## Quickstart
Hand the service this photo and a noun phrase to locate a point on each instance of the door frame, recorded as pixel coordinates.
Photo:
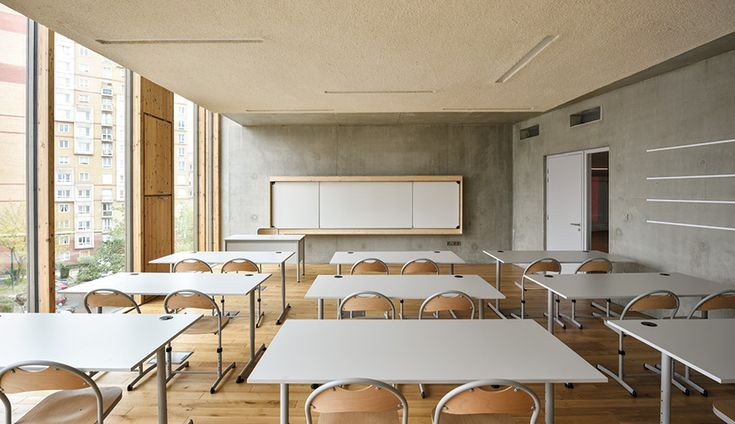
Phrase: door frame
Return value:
(586, 183)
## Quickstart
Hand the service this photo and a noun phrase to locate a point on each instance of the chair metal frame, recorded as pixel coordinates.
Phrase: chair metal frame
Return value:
(405, 270)
(334, 385)
(725, 411)
(458, 391)
(532, 269)
(619, 376)
(219, 372)
(581, 269)
(84, 380)
(245, 261)
(190, 262)
(142, 370)
(370, 261)
(369, 294)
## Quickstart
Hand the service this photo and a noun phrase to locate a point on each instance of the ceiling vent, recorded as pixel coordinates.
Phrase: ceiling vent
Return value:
(529, 132)
(585, 116)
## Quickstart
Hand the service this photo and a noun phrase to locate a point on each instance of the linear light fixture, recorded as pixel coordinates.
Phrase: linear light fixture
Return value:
(379, 91)
(691, 177)
(288, 110)
(183, 41)
(488, 109)
(527, 58)
(688, 146)
(698, 201)
(684, 224)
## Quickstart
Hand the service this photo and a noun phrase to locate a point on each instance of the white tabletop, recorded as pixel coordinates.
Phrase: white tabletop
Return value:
(158, 283)
(413, 351)
(265, 237)
(707, 345)
(400, 286)
(222, 257)
(89, 342)
(397, 257)
(563, 256)
(606, 286)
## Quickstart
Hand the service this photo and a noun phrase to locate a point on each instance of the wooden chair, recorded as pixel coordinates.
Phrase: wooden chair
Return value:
(365, 302)
(267, 231)
(341, 402)
(722, 301)
(417, 267)
(725, 410)
(662, 300)
(100, 298)
(590, 266)
(192, 299)
(192, 265)
(246, 266)
(487, 401)
(369, 266)
(543, 265)
(78, 399)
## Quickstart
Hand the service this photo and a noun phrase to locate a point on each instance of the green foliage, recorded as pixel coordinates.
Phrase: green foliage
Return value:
(13, 239)
(109, 257)
(184, 228)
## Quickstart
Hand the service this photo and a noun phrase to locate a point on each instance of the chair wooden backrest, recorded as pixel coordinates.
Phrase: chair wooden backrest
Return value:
(185, 299)
(654, 300)
(724, 300)
(369, 266)
(446, 301)
(481, 397)
(595, 266)
(543, 265)
(240, 265)
(108, 297)
(267, 231)
(367, 301)
(342, 396)
(420, 266)
(192, 265)
(29, 376)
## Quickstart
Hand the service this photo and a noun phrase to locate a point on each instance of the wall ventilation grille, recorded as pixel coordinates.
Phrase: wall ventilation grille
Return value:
(585, 116)
(529, 132)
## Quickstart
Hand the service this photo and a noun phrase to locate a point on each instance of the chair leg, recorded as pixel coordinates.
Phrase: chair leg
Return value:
(656, 369)
(573, 317)
(261, 314)
(686, 379)
(220, 372)
(423, 391)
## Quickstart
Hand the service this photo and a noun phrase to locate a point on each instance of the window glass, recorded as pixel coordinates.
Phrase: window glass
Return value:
(184, 175)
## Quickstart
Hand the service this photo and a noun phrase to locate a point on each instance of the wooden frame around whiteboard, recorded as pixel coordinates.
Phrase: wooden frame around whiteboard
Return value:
(369, 231)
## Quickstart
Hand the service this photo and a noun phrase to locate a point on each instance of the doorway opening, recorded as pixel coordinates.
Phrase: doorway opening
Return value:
(599, 200)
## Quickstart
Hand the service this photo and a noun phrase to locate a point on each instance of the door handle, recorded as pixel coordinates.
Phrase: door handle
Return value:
(575, 224)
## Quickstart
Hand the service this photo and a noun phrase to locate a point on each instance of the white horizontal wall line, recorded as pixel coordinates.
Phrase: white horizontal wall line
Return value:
(682, 224)
(707, 202)
(687, 146)
(691, 177)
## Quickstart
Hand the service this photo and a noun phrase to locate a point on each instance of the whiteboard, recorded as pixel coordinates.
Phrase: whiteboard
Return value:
(347, 204)
(435, 204)
(295, 204)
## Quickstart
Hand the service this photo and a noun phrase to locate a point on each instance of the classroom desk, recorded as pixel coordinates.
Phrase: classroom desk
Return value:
(401, 287)
(271, 242)
(704, 345)
(441, 257)
(419, 351)
(160, 284)
(109, 342)
(518, 257)
(606, 286)
(214, 258)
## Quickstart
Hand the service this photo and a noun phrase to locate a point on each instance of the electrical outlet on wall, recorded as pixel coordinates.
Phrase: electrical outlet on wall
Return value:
(454, 243)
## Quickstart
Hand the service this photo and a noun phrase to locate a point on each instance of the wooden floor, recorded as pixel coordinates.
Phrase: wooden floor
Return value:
(245, 403)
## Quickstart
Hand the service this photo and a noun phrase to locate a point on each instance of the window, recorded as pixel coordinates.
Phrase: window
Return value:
(84, 209)
(64, 144)
(106, 118)
(63, 207)
(84, 224)
(106, 194)
(63, 160)
(84, 193)
(84, 160)
(107, 72)
(83, 51)
(107, 134)
(83, 146)
(106, 209)
(83, 83)
(83, 98)
(107, 162)
(64, 224)
(84, 176)
(84, 242)
(63, 194)
(63, 240)
(84, 115)
(83, 67)
(63, 128)
(183, 178)
(83, 130)
(63, 176)
(106, 224)
(106, 103)
(107, 89)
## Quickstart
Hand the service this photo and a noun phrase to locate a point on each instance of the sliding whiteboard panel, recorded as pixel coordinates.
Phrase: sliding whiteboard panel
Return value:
(436, 204)
(295, 204)
(365, 204)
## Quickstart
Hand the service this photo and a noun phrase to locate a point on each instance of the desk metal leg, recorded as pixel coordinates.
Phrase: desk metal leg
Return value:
(320, 309)
(481, 314)
(498, 266)
(298, 262)
(451, 269)
(284, 403)
(550, 311)
(286, 306)
(303, 257)
(254, 356)
(549, 402)
(339, 269)
(665, 415)
(161, 386)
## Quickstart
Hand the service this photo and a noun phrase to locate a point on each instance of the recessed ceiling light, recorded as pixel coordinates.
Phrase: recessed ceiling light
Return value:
(528, 57)
(288, 110)
(378, 91)
(183, 41)
(488, 109)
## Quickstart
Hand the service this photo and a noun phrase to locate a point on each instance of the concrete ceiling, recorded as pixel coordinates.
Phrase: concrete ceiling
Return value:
(444, 57)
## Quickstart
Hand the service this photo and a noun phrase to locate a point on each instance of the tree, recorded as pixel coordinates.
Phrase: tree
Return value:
(13, 239)
(109, 257)
(184, 228)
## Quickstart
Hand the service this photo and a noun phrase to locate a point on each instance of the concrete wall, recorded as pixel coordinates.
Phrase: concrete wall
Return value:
(689, 105)
(480, 153)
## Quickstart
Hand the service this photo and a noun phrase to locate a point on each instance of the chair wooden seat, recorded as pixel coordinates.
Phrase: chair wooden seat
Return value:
(72, 407)
(389, 417)
(725, 410)
(477, 419)
(206, 325)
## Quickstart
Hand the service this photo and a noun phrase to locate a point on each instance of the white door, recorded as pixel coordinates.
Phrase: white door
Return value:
(565, 184)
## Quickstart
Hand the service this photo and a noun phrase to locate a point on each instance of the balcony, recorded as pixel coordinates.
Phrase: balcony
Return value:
(107, 91)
